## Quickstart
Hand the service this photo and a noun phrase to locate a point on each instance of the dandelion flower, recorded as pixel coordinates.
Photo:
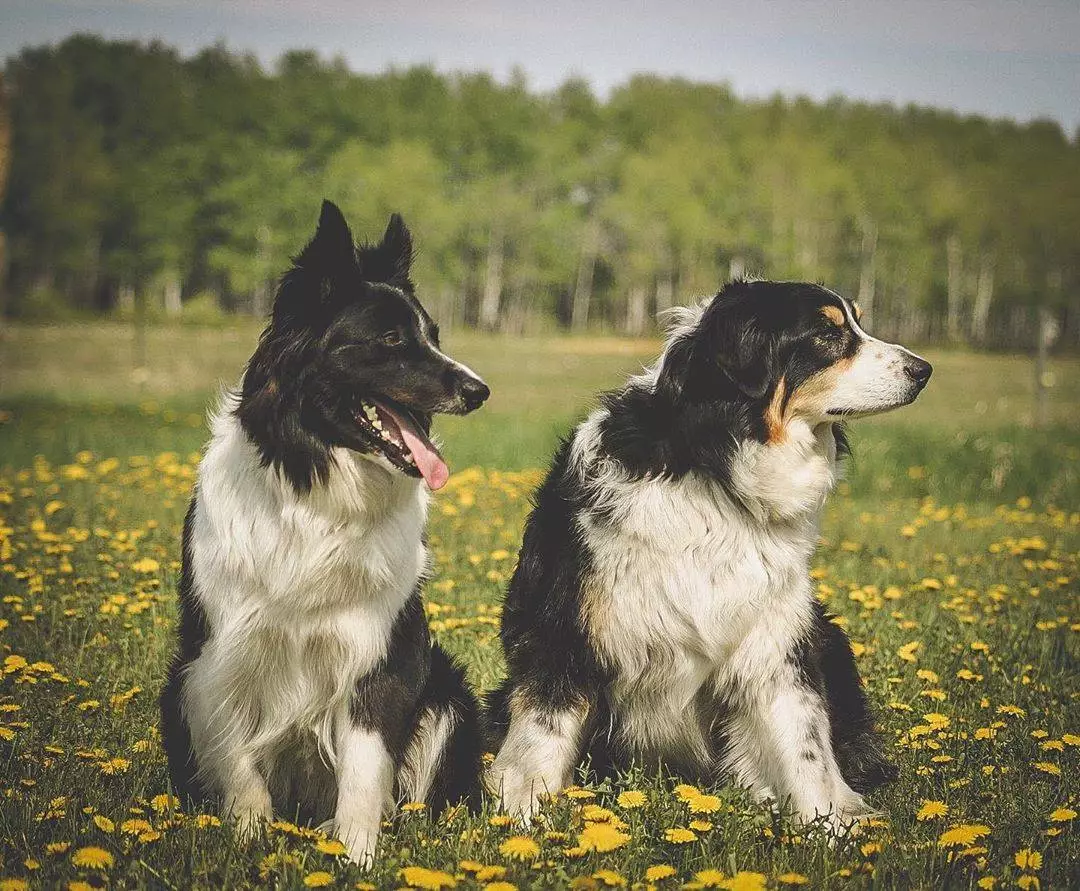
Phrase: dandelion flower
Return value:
(500, 886)
(709, 878)
(962, 835)
(429, 879)
(793, 878)
(631, 799)
(745, 881)
(92, 858)
(519, 847)
(610, 878)
(1062, 815)
(680, 836)
(330, 846)
(1028, 859)
(318, 879)
(601, 837)
(704, 804)
(659, 871)
(931, 810)
(1047, 767)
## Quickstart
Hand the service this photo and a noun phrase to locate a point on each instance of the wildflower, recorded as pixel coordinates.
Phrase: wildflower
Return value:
(135, 827)
(704, 804)
(962, 835)
(55, 848)
(793, 878)
(500, 886)
(519, 847)
(659, 871)
(987, 882)
(601, 837)
(931, 810)
(610, 878)
(146, 565)
(1028, 883)
(318, 879)
(907, 651)
(1047, 767)
(413, 806)
(162, 803)
(631, 799)
(701, 825)
(680, 836)
(330, 846)
(745, 881)
(430, 879)
(92, 858)
(1062, 815)
(685, 792)
(500, 820)
(104, 823)
(1028, 859)
(710, 878)
(14, 885)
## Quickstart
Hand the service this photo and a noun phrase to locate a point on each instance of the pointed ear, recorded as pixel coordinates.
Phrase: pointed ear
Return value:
(397, 246)
(332, 242)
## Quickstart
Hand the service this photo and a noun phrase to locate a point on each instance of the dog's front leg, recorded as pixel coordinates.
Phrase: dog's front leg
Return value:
(246, 796)
(538, 757)
(365, 781)
(780, 741)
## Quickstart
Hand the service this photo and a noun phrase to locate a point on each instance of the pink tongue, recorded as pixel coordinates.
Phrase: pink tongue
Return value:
(428, 460)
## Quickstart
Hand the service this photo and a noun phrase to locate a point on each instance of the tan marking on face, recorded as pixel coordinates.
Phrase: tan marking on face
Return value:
(834, 314)
(774, 415)
(811, 398)
(857, 310)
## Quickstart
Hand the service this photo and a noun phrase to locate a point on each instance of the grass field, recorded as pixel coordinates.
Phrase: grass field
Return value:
(951, 555)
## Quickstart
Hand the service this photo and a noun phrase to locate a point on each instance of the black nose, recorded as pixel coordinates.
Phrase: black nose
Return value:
(918, 370)
(474, 392)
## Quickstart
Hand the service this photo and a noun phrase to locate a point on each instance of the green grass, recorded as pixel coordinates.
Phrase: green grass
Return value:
(951, 554)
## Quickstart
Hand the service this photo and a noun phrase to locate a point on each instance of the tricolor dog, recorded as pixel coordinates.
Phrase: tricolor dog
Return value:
(662, 608)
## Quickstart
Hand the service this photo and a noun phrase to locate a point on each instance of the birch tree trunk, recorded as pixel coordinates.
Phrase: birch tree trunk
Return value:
(868, 272)
(635, 310)
(579, 311)
(955, 259)
(492, 293)
(984, 296)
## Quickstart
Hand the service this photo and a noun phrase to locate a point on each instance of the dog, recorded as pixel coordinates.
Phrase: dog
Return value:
(662, 610)
(305, 680)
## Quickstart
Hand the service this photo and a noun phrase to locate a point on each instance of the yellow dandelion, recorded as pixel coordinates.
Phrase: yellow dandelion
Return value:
(162, 803)
(80, 885)
(146, 565)
(987, 882)
(1062, 815)
(104, 823)
(56, 848)
(413, 806)
(659, 871)
(578, 793)
(490, 873)
(610, 878)
(745, 881)
(429, 879)
(135, 827)
(931, 810)
(204, 821)
(519, 847)
(793, 878)
(500, 820)
(962, 835)
(500, 886)
(318, 879)
(92, 858)
(685, 792)
(1047, 767)
(1028, 859)
(631, 799)
(704, 804)
(680, 836)
(1070, 739)
(709, 878)
(330, 846)
(1028, 883)
(14, 885)
(701, 825)
(601, 837)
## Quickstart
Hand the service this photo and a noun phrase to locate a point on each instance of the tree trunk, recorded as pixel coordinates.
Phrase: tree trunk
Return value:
(579, 311)
(984, 295)
(954, 258)
(635, 310)
(868, 272)
(665, 291)
(172, 296)
(492, 293)
(737, 268)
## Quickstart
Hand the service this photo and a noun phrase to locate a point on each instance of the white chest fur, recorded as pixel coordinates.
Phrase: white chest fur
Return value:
(300, 591)
(691, 588)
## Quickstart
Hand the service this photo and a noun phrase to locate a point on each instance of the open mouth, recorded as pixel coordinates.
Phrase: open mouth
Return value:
(399, 437)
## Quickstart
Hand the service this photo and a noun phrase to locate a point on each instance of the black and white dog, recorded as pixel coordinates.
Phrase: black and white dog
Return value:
(305, 679)
(662, 608)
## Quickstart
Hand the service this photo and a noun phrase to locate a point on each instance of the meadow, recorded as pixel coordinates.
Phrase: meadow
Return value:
(951, 554)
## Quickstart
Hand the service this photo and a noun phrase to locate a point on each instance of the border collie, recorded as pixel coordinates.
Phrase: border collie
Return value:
(305, 679)
(662, 608)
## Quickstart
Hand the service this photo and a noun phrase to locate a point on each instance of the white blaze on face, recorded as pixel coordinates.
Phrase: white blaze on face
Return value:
(874, 379)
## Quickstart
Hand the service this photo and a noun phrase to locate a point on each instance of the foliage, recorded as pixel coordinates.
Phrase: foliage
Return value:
(135, 170)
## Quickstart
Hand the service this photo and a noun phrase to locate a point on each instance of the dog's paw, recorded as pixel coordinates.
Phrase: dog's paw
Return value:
(360, 844)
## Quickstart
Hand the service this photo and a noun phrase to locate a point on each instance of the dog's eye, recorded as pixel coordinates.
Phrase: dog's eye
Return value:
(392, 339)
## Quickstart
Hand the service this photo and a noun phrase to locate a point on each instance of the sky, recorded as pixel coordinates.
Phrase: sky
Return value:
(998, 58)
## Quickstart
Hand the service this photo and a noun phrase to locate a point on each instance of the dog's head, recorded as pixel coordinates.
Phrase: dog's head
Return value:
(351, 359)
(791, 350)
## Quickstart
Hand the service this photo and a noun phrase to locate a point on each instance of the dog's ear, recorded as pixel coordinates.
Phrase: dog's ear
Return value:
(391, 259)
(728, 339)
(332, 245)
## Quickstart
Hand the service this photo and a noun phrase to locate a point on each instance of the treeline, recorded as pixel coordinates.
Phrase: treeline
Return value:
(142, 181)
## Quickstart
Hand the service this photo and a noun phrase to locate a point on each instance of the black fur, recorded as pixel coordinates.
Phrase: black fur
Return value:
(346, 328)
(711, 392)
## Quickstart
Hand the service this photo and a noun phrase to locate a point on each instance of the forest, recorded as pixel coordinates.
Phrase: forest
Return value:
(142, 181)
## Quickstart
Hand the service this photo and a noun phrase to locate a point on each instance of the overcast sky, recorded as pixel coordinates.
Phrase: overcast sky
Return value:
(1003, 58)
